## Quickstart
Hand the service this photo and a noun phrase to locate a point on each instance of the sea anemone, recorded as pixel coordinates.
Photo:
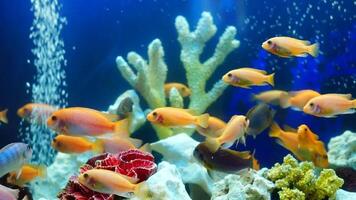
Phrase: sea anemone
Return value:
(133, 163)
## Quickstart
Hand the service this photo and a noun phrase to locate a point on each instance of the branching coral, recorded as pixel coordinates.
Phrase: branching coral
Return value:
(300, 180)
(150, 75)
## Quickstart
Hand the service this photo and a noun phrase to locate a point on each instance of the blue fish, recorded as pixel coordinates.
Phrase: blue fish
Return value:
(13, 156)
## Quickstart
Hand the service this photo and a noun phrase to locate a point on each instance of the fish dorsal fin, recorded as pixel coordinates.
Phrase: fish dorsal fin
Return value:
(254, 70)
(346, 96)
(289, 129)
(6, 147)
(305, 42)
(111, 117)
(191, 111)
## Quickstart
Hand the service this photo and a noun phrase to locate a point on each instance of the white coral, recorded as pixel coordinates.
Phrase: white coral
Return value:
(342, 150)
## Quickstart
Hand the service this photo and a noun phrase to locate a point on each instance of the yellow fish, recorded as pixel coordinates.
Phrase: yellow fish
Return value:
(215, 128)
(246, 77)
(28, 174)
(3, 116)
(235, 130)
(79, 121)
(303, 146)
(311, 140)
(36, 112)
(271, 97)
(109, 182)
(297, 99)
(177, 117)
(330, 105)
(287, 47)
(183, 90)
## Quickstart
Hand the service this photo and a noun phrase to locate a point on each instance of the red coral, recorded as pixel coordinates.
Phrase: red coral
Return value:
(133, 163)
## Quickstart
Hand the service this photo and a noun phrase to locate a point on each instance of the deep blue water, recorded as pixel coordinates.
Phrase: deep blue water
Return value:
(98, 31)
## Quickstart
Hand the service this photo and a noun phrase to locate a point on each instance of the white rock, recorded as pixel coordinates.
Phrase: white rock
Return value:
(249, 185)
(178, 150)
(58, 174)
(166, 184)
(345, 195)
(342, 150)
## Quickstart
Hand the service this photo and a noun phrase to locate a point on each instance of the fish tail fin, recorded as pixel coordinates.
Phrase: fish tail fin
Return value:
(141, 190)
(354, 103)
(146, 148)
(313, 50)
(213, 144)
(3, 116)
(255, 164)
(203, 120)
(275, 130)
(136, 142)
(270, 79)
(98, 146)
(42, 171)
(122, 127)
(284, 100)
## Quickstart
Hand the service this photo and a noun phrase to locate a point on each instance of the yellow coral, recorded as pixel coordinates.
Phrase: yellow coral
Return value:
(297, 181)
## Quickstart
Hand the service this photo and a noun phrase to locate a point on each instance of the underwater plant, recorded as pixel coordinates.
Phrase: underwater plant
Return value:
(151, 75)
(301, 181)
(132, 163)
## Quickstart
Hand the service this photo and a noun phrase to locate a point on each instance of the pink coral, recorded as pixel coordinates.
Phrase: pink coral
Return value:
(133, 163)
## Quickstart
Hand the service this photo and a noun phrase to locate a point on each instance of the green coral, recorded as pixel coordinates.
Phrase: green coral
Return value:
(299, 181)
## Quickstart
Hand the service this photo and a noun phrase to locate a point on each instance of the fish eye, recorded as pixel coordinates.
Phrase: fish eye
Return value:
(229, 75)
(154, 114)
(54, 118)
(269, 42)
(311, 104)
(85, 175)
(325, 156)
(305, 129)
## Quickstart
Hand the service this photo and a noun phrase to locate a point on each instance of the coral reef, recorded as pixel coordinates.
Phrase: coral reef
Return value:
(342, 150)
(57, 175)
(133, 163)
(165, 184)
(151, 75)
(301, 179)
(344, 195)
(138, 117)
(247, 186)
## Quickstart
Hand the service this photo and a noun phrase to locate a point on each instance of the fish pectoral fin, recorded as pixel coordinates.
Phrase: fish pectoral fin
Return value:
(110, 116)
(132, 180)
(18, 173)
(228, 144)
(302, 55)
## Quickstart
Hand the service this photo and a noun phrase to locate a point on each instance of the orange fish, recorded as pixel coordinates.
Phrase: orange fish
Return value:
(177, 117)
(330, 105)
(287, 47)
(36, 112)
(215, 128)
(246, 77)
(3, 116)
(297, 99)
(235, 130)
(183, 90)
(73, 144)
(109, 182)
(311, 140)
(271, 97)
(79, 121)
(304, 146)
(28, 174)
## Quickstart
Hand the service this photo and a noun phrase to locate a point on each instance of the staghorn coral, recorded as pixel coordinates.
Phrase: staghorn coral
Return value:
(150, 75)
(294, 179)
